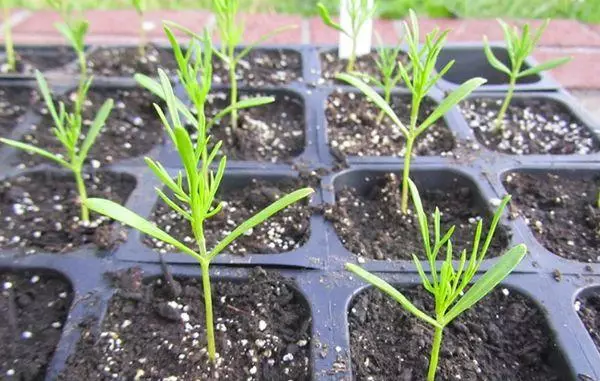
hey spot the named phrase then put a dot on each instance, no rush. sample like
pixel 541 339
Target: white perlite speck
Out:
pixel 262 325
pixel 7 285
pixel 26 335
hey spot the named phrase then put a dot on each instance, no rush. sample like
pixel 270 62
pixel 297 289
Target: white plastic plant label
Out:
pixel 365 33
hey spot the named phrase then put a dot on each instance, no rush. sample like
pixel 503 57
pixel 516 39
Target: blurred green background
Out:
pixel 584 10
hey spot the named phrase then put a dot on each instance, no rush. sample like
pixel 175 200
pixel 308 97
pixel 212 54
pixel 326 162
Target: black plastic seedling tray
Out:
pixel 317 267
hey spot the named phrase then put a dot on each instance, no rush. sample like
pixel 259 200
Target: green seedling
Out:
pixel 449 286
pixel 193 64
pixel 231 32
pixel 68 129
pixel 141 7
pixel 193 191
pixel 9 47
pixel 193 194
pixel 64 8
pixel 387 64
pixel 360 12
pixel 519 46
pixel 419 81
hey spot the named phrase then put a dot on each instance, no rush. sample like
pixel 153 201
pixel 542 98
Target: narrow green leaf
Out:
pixel 327 20
pixel 375 98
pixel 45 90
pixel 487 282
pixel 424 279
pixel 36 150
pixel 491 57
pixel 450 101
pixel 155 88
pixel 259 218
pixel 391 291
pixel 241 104
pixel 94 130
pixel 120 213
pixel 548 65
pixel 172 204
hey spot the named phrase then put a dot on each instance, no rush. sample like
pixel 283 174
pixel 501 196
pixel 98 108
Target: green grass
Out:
pixel 584 10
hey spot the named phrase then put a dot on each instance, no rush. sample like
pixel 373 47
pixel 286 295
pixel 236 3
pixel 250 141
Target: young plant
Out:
pixel 449 285
pixel 519 46
pixel 193 194
pixel 194 189
pixel 387 64
pixel 194 63
pixel 9 48
pixel 359 12
pixel 231 31
pixel 419 81
pixel 68 130
pixel 140 7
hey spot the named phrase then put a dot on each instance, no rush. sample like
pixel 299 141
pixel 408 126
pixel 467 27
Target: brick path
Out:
pixel 563 37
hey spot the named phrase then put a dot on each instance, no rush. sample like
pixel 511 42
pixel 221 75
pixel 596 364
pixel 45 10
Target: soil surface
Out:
pixel 126 61
pixel 30 60
pixel 14 103
pixel 331 65
pixel 262 328
pixel 262 68
pixel 562 211
pixel 272 133
pixel 589 312
pixel 40 211
pixel 532 126
pixel 371 223
pixel 353 129
pixel 283 232
pixel 132 129
pixel 503 337
pixel 33 309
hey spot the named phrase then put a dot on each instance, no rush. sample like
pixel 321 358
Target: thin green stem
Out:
pixel 234 94
pixel 511 89
pixel 406 173
pixel 210 331
pixel 352 59
pixel 387 97
pixel 435 353
pixel 82 68
pixel 143 36
pixel 85 213
pixel 8 41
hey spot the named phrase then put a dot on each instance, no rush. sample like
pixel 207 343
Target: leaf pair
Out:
pixel 519 46
pixel 448 285
pixel 359 12
pixel 75 33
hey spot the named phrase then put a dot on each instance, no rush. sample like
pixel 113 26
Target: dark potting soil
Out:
pixel 262 328
pixel 33 309
pixel 126 61
pixel 30 60
pixel 503 337
pixel 589 312
pixel 272 133
pixel 371 224
pixel 561 211
pixel 262 68
pixel 14 102
pixel 132 128
pixel 532 126
pixel 353 129
pixel 285 231
pixel 331 65
pixel 40 211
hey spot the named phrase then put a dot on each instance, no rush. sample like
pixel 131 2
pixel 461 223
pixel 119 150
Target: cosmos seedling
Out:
pixel 195 63
pixel 387 64
pixel 68 130
pixel 449 285
pixel 359 12
pixel 231 31
pixel 519 46
pixel 420 80
pixel 140 7
pixel 194 189
pixel 74 30
pixel 9 48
